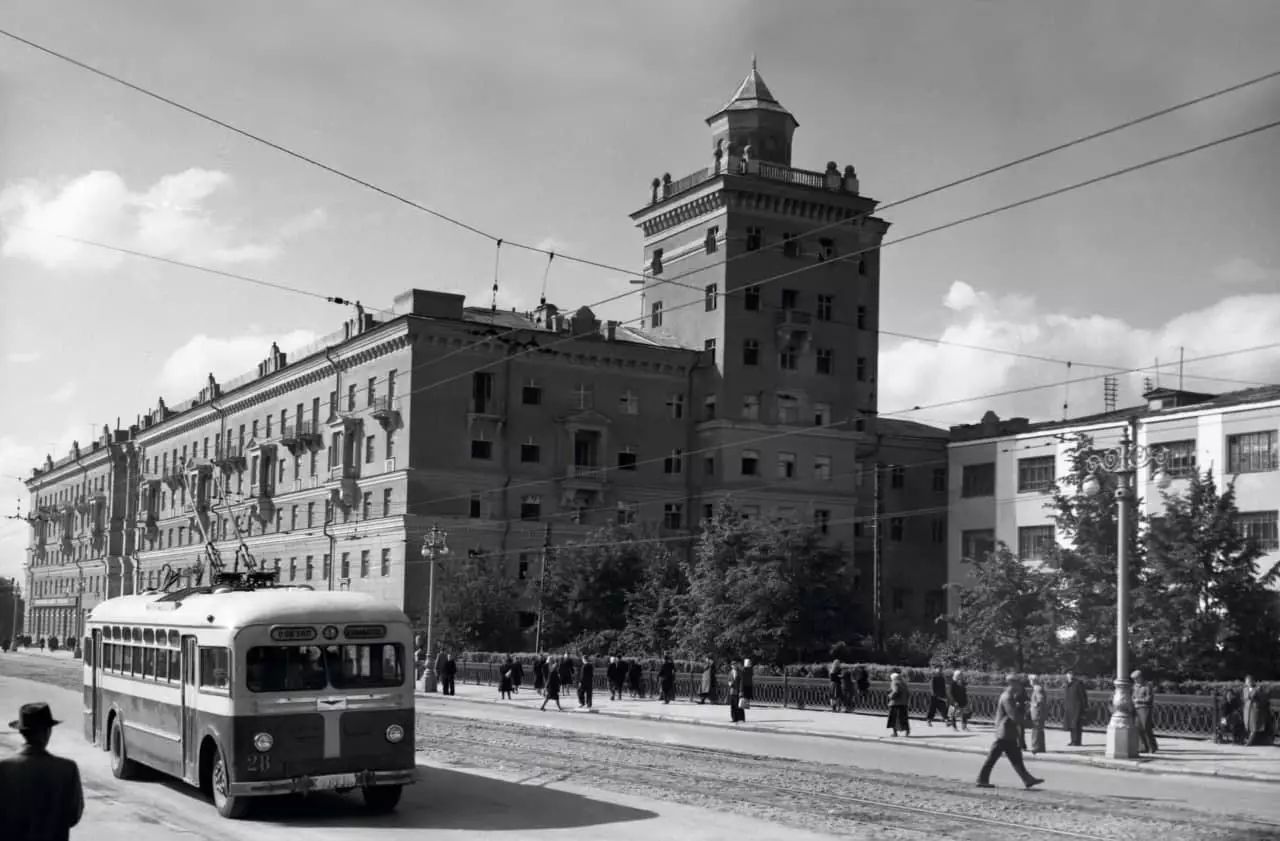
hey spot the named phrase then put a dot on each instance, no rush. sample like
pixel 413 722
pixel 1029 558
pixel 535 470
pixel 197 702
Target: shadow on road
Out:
pixel 441 799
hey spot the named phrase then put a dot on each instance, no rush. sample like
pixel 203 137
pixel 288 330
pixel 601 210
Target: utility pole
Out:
pixel 542 582
pixel 876 574
pixel 434 547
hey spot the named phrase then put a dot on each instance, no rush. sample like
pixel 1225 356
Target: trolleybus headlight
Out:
pixel 262 742
pixel 395 733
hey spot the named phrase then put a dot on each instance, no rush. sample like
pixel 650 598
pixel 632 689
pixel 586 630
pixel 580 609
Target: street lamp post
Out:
pixel 433 548
pixel 1124 462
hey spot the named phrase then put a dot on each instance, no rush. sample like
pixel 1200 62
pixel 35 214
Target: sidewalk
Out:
pixel 1190 757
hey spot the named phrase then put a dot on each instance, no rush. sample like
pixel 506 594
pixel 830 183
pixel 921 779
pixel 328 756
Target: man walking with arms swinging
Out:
pixel 1008 729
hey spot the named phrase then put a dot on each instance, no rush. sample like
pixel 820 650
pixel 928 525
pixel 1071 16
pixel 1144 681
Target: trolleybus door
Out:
pixel 190 744
pixel 93 659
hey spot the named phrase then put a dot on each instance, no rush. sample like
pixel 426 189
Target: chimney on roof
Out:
pixel 611 331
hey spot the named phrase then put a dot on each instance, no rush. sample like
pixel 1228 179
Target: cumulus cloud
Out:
pixel 1242 271
pixel 926 374
pixel 23 357
pixel 187 369
pixel 169 219
pixel 63 394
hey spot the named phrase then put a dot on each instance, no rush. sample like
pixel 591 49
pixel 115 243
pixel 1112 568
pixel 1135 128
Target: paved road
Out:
pixel 1211 795
pixel 450 803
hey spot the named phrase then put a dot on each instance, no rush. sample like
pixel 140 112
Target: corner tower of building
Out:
pixel 753 120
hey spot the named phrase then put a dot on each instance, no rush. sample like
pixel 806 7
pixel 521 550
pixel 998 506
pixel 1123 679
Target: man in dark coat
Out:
pixel 667 680
pixel 40 794
pixel 441 659
pixel 748 684
pixel 1074 703
pixel 448 675
pixel 937 697
pixel 1008 735
pixel 615 672
pixel 586 683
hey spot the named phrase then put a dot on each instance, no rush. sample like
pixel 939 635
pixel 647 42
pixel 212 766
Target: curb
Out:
pixel 1142 766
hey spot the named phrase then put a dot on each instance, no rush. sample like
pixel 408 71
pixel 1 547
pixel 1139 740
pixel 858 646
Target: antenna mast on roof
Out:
pixel 1182 356
pixel 1066 392
pixel 1110 390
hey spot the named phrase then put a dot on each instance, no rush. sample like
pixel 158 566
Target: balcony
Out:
pixel 230 458
pixel 386 411
pixel 174 478
pixel 301 436
pixel 344 472
pixel 590 477
pixel 792 318
pixel 263 509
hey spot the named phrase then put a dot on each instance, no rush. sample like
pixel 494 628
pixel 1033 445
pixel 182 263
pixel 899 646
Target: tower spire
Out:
pixel 753 63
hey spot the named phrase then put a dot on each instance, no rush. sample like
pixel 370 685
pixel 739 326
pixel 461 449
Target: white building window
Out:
pixel 1034 542
pixel 786 465
pixel 822 468
pixel 1262 527
pixel 751 407
pixel 629 403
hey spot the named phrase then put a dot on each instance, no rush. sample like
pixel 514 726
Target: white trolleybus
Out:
pixel 247 689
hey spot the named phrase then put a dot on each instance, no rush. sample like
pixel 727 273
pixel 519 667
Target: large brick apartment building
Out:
pixel 331 463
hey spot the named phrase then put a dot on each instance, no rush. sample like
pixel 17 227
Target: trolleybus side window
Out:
pixel 215 669
pixel 293 668
pixel 90 656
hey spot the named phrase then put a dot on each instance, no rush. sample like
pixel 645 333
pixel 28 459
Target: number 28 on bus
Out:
pixel 251 691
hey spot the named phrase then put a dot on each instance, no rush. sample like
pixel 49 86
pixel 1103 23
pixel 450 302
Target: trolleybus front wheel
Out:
pixel 229 806
pixel 381 799
pixel 122 767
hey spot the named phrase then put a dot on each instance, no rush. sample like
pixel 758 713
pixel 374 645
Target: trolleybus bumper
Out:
pixel 326 782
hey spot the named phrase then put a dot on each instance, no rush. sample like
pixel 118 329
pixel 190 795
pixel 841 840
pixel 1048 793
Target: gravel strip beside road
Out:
pixel 812 795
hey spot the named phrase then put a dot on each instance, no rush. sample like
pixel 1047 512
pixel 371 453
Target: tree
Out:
pixel 653 606
pixel 766 589
pixel 1208 613
pixel 587 586
pixel 478 605
pixel 1006 610
pixel 1086 565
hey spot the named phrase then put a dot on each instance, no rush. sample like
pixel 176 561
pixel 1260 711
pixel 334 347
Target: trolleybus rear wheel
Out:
pixel 229 806
pixel 381 799
pixel 122 767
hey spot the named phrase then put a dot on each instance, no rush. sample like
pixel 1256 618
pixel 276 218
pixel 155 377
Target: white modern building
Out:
pixel 1000 473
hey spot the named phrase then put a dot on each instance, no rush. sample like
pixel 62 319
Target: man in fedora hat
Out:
pixel 40 794
pixel 1008 732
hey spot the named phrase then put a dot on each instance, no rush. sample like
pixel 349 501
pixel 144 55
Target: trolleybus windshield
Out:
pixel 310 668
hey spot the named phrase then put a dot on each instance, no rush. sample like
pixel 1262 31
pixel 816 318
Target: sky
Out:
pixel 545 123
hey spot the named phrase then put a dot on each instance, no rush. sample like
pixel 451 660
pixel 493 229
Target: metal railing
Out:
pixel 1186 716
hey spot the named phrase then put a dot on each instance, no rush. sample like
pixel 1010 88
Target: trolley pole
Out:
pixel 434 547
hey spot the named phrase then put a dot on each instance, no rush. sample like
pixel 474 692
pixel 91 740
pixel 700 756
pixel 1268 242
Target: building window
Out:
pixel 976 544
pixel 672 515
pixel 751 298
pixel 786 465
pixel 674 463
pixel 311 515
pixel 822 468
pixel 655 264
pixel 788 359
pixel 1034 542
pixel 473 507
pixel 371 392
pixel 531 508
pixel 826 364
pixel 386 563
pixel 1036 475
pixel 750 352
pixel 1261 527
pixel 826 306
pixel 531 394
pixel 481 393
pixel 1252 452
pixel 826 249
pixel 790 298
pixel 522 571
pixel 675 405
pixel 629 403
pixel 709 407
pixel 755 238
pixel 712 240
pixel 750 462
pixel 895 529
pixel 939 480
pixel 655 312
pixel 709 465
pixel 861 321
pixel 370 449
pixel 821 414
pixel 897 476
pixel 938 530
pixel 822 520
pixel 750 407
pixel 788 408
pixel 790 246
pixel 366 506
pixel 530 453
pixel 326 567
pixel 978 480
pixel 310 570
pixel 481 449
pixel 346 565
pixel 1180 459
pixel 710 297
pixel 626 459
pixel 862 267
pixel 626 513
pixel 351 402
pixel 584 396
pixel 391 445
pixel 386 502
pixel 860 369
